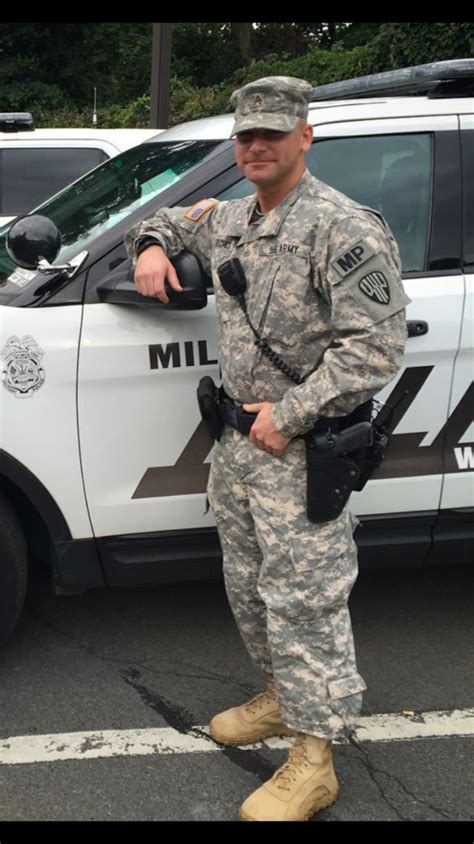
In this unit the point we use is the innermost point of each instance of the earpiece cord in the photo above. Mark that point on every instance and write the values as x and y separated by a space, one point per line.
262 344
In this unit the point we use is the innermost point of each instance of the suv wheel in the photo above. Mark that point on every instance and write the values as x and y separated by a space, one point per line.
13 568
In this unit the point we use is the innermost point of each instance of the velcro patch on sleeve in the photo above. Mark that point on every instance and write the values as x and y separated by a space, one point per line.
349 260
196 211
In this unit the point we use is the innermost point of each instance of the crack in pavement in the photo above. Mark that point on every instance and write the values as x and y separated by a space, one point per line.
70 637
246 688
372 770
182 721
203 674
175 716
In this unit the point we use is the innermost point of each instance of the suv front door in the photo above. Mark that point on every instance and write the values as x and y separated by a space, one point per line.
409 169
457 502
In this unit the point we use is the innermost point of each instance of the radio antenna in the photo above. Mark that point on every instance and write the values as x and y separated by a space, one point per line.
94 115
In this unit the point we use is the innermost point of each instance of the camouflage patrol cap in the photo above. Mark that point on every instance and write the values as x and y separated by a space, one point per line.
274 102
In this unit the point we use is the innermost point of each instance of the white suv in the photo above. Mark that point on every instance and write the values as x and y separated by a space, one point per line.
37 163
103 456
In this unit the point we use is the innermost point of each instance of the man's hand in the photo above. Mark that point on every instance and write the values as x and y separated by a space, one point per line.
152 269
263 433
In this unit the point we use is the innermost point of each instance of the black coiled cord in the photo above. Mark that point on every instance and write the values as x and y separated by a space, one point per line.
266 350
278 362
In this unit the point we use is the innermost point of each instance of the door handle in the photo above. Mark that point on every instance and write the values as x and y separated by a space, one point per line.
417 327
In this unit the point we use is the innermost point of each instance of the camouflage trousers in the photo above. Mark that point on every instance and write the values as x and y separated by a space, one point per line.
288 581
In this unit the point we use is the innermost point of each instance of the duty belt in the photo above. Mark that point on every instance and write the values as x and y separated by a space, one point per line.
232 414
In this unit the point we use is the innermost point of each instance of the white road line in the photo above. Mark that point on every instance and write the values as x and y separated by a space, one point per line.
55 747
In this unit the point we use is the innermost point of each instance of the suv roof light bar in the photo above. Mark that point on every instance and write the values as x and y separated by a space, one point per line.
448 78
16 121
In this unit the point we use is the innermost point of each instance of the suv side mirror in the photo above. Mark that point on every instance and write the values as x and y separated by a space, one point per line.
119 288
32 238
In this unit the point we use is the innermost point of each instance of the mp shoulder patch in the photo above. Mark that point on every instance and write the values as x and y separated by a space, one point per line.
348 261
375 285
196 211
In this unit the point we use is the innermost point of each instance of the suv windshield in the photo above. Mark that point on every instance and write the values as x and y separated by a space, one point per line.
106 195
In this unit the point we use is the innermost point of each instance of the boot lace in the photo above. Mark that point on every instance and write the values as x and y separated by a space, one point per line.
285 776
261 700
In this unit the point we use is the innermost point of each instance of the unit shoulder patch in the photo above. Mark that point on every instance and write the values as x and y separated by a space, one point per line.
352 258
196 211
374 288
375 285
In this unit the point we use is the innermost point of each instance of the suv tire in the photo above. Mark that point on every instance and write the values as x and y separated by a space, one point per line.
13 568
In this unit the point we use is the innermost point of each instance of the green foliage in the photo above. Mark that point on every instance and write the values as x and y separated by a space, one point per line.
355 35
70 60
407 44
203 53
34 95
55 76
62 118
316 65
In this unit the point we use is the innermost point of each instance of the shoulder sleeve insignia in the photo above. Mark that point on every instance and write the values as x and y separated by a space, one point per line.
352 258
375 285
196 211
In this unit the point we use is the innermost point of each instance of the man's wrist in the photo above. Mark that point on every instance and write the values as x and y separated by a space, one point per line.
279 421
145 242
285 422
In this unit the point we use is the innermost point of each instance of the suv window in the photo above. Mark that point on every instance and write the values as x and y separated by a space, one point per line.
29 176
104 197
468 165
391 173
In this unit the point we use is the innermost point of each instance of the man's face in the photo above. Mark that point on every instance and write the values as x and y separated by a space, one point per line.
268 157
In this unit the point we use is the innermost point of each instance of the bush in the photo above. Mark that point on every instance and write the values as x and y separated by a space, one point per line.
394 45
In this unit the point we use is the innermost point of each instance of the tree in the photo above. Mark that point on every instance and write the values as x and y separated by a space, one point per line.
242 33
52 69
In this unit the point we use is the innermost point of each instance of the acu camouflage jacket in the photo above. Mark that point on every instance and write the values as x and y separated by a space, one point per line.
324 289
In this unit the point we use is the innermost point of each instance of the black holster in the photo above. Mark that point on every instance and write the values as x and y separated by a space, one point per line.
330 478
329 483
208 400
374 454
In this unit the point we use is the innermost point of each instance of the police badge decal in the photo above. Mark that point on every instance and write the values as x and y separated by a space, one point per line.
22 373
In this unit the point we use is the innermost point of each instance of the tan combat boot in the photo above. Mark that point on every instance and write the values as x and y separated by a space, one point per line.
257 719
305 784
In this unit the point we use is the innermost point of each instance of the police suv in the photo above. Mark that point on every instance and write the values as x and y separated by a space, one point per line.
37 163
103 457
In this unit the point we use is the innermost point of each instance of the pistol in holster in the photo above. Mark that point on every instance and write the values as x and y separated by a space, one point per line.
336 451
208 399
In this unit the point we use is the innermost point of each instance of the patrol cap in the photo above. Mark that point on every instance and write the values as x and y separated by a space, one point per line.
274 102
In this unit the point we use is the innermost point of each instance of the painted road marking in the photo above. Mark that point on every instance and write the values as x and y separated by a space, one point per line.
56 747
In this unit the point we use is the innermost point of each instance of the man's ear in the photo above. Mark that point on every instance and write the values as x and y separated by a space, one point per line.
307 137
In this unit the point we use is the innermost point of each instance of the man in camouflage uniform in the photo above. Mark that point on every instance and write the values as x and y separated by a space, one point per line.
324 288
